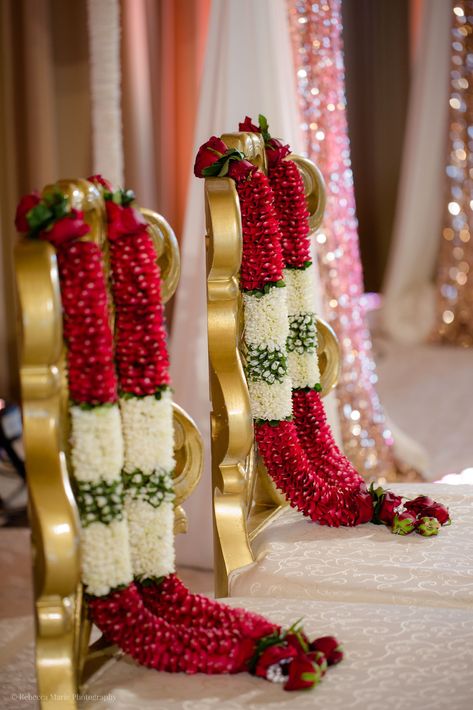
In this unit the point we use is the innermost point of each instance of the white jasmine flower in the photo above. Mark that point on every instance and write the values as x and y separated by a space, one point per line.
270 401
96 443
151 537
105 556
148 433
266 319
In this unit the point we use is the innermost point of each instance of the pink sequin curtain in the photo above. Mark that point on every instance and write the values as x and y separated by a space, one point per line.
455 265
316 29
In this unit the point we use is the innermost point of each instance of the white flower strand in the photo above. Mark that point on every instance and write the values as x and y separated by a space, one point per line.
97 444
271 402
97 455
266 318
151 538
148 433
303 367
149 446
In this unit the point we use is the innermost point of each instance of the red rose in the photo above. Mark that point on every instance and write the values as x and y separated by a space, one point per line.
298 641
365 507
27 203
66 229
388 507
404 523
208 154
419 503
274 661
248 126
319 659
330 647
303 673
437 510
243 654
124 220
240 169
101 181
276 151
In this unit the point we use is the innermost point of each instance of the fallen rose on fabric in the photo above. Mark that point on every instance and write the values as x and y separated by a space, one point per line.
428 527
387 509
303 674
404 523
330 647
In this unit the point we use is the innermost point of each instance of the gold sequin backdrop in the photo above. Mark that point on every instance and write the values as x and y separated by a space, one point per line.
455 265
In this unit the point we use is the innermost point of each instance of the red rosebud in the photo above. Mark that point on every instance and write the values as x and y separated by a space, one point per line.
274 661
330 647
124 220
276 151
437 510
365 507
66 229
101 181
240 169
404 523
243 654
248 126
319 659
303 673
388 507
427 527
208 154
418 504
27 203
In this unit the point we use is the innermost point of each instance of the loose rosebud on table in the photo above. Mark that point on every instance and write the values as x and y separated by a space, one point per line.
428 527
404 523
422 514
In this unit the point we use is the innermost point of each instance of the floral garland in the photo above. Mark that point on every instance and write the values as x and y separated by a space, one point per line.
276 280
161 630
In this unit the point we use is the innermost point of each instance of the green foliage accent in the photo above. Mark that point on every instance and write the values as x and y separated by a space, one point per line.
264 127
304 267
51 208
99 502
150 581
316 388
120 197
302 336
154 489
87 406
272 422
220 167
157 394
260 292
266 364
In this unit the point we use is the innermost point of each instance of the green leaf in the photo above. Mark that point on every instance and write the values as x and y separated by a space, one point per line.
264 127
39 217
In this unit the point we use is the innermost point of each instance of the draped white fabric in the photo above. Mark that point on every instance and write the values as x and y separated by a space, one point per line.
248 70
408 311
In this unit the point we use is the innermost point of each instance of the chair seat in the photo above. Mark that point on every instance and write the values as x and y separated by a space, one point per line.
296 558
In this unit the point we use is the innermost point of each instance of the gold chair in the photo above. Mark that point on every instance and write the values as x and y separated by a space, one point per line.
64 656
245 499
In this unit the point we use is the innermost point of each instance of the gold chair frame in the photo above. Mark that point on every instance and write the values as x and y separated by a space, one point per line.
64 656
245 499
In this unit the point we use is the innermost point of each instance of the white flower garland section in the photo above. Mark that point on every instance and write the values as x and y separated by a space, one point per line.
149 446
303 365
97 458
266 324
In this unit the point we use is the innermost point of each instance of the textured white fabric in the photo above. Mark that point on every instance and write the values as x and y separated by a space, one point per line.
409 293
298 558
257 79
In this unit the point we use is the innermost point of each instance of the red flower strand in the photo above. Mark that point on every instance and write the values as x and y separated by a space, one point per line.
141 353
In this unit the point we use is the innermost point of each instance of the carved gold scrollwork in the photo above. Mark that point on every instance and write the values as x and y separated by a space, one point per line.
314 189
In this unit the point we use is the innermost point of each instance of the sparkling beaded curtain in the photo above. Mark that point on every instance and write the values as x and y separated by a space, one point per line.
316 29
455 265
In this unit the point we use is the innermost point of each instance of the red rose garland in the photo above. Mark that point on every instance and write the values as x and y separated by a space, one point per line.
120 613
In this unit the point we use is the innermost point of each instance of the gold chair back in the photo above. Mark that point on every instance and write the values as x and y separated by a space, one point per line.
64 656
245 499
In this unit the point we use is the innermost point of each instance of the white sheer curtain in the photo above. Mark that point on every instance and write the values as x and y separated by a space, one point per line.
408 312
248 70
